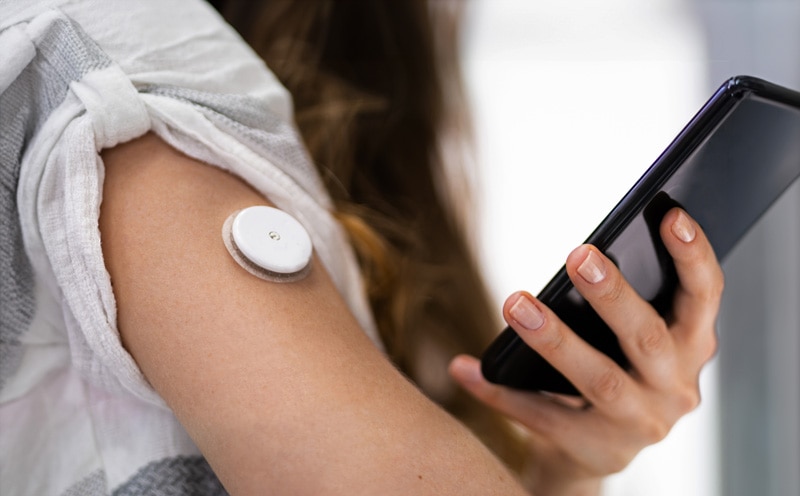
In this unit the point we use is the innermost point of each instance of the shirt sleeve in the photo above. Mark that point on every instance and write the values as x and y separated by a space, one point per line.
103 104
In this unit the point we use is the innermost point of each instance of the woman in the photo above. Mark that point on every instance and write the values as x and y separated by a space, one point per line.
177 356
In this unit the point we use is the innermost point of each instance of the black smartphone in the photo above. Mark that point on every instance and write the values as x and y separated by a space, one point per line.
738 154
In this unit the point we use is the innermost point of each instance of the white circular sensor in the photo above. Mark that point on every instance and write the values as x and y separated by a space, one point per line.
271 240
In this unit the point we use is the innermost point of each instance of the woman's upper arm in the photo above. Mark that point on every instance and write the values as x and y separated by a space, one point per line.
275 382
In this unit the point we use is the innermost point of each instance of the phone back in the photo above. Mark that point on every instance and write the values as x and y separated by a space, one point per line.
729 164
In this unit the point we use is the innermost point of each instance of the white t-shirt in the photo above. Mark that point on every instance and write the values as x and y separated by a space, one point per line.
77 76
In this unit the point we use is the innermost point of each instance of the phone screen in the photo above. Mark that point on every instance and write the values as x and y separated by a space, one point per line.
734 159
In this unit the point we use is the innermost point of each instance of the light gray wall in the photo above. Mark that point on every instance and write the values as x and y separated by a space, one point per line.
760 320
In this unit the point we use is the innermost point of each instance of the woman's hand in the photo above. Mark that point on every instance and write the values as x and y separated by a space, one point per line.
575 443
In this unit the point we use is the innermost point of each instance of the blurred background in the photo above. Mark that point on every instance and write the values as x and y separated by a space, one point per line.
572 101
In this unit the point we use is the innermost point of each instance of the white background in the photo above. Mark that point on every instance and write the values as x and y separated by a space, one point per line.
571 102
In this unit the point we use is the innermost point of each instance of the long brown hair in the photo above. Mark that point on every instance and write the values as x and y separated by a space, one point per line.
377 99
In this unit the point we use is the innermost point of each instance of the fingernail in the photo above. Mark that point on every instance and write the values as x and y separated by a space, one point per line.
592 269
526 314
683 229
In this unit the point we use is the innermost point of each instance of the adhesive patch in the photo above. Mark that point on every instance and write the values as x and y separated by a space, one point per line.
268 243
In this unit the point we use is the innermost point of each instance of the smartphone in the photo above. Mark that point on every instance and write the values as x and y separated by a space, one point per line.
733 160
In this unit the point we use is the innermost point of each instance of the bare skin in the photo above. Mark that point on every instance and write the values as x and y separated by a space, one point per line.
276 383
282 391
